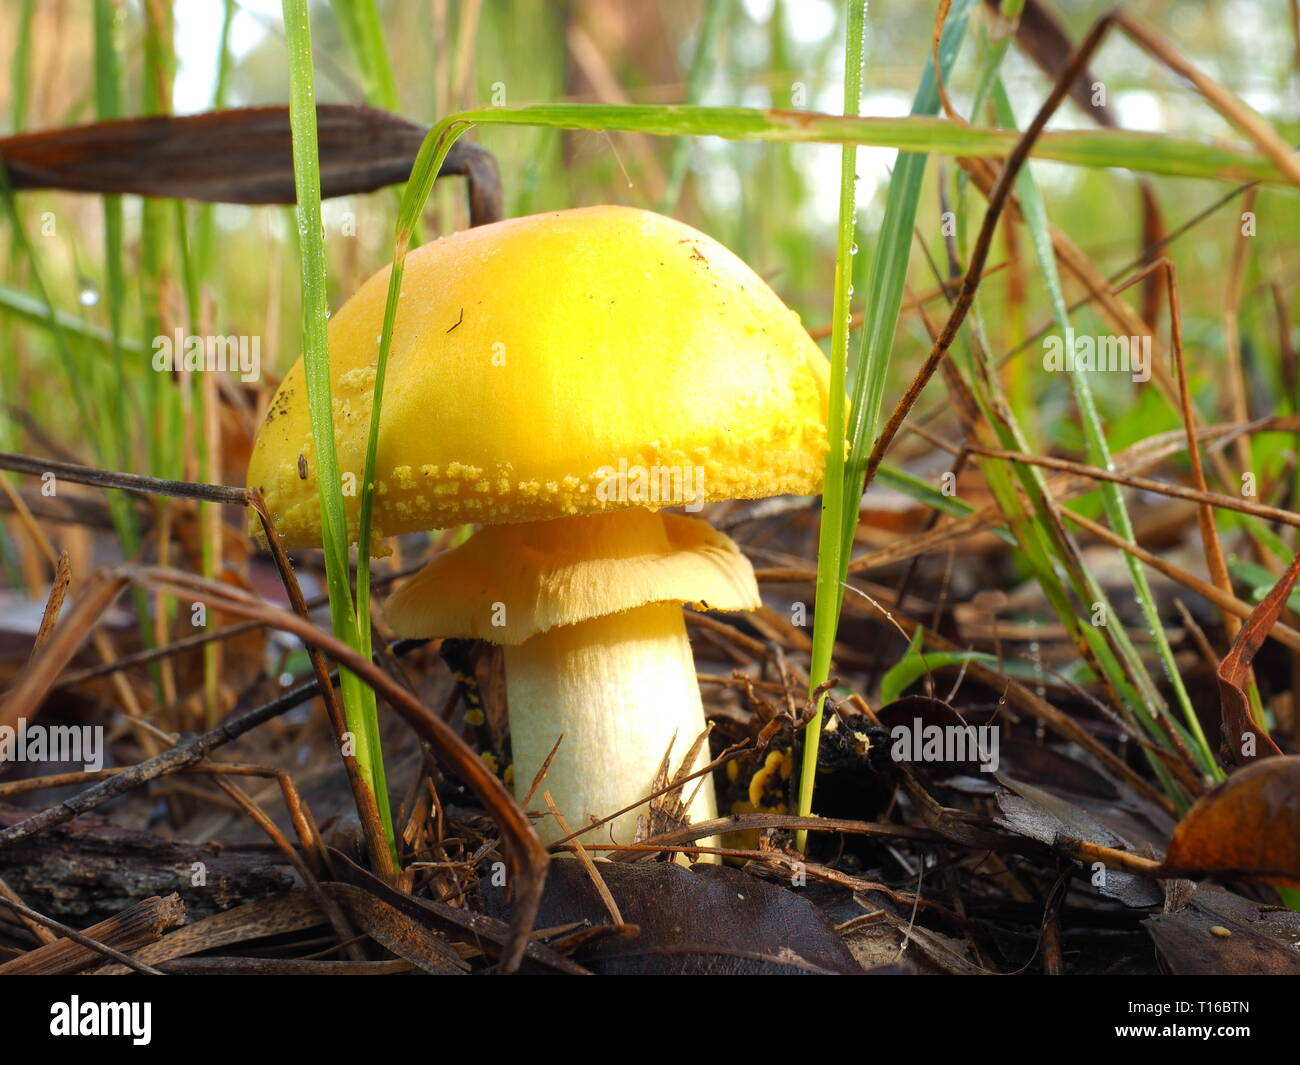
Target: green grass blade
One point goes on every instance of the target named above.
(161, 399)
(20, 74)
(205, 241)
(927, 494)
(72, 364)
(844, 477)
(1140, 151)
(831, 560)
(1035, 215)
(888, 275)
(32, 310)
(108, 105)
(424, 172)
(358, 699)
(364, 31)
(916, 664)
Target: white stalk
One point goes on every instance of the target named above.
(622, 690)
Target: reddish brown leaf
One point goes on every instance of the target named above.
(1249, 826)
(1243, 739)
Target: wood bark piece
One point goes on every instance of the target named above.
(129, 930)
(89, 869)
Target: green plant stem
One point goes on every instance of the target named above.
(358, 699)
(1035, 214)
(1139, 151)
(831, 561)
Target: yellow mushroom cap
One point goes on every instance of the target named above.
(510, 582)
(560, 364)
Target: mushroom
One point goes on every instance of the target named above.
(560, 380)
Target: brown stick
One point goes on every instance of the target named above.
(134, 927)
(381, 857)
(1146, 484)
(1225, 601)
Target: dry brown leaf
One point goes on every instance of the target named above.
(1249, 826)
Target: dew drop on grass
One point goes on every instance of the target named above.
(89, 295)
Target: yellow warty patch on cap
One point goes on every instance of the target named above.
(537, 358)
(509, 582)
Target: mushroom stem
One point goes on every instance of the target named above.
(623, 692)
